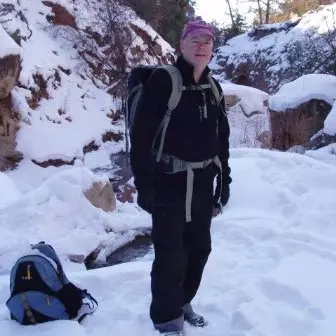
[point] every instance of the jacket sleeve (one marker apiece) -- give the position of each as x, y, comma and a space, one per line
149, 114
223, 135
224, 154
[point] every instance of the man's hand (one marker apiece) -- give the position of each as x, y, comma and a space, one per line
218, 207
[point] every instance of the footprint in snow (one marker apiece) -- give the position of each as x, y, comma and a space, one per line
276, 291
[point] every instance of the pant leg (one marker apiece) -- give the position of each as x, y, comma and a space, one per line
169, 266
198, 239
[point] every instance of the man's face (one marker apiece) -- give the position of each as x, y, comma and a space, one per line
197, 49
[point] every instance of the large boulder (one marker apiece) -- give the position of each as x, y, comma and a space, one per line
298, 125
300, 108
101, 195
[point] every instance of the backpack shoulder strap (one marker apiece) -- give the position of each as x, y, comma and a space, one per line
175, 96
177, 86
214, 88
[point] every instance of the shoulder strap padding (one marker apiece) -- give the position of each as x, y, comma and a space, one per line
217, 93
177, 86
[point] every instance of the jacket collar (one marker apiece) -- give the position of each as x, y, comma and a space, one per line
187, 71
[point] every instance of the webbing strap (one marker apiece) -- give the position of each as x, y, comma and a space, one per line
27, 309
175, 165
165, 124
190, 181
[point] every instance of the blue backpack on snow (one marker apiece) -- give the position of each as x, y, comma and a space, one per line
41, 292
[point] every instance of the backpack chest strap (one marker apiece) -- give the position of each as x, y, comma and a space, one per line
196, 87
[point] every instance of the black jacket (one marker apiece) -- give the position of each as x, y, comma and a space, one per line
190, 136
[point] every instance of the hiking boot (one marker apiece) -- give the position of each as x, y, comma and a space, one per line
192, 318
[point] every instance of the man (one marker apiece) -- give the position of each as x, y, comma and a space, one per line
181, 201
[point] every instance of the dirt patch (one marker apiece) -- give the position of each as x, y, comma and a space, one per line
61, 16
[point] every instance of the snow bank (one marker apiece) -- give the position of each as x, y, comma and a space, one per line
325, 154
305, 88
9, 192
58, 212
330, 122
8, 45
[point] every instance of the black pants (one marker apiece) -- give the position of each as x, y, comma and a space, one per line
181, 248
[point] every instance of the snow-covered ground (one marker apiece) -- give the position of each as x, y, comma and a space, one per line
272, 270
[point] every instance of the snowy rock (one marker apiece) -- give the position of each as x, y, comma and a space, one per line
9, 73
10, 62
330, 122
61, 16
302, 108
247, 110
270, 56
9, 126
296, 126
101, 195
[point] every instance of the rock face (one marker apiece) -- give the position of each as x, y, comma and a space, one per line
297, 126
61, 16
10, 66
102, 196
9, 73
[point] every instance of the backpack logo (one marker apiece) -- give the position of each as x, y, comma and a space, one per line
28, 276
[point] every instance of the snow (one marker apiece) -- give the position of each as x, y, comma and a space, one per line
7, 44
326, 154
302, 90
249, 117
11, 193
57, 211
75, 108
330, 122
272, 268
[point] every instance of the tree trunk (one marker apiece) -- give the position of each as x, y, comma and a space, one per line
268, 10
260, 12
231, 15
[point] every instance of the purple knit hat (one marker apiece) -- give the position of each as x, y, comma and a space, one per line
198, 26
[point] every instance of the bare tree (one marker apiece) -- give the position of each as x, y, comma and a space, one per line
231, 14
264, 9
